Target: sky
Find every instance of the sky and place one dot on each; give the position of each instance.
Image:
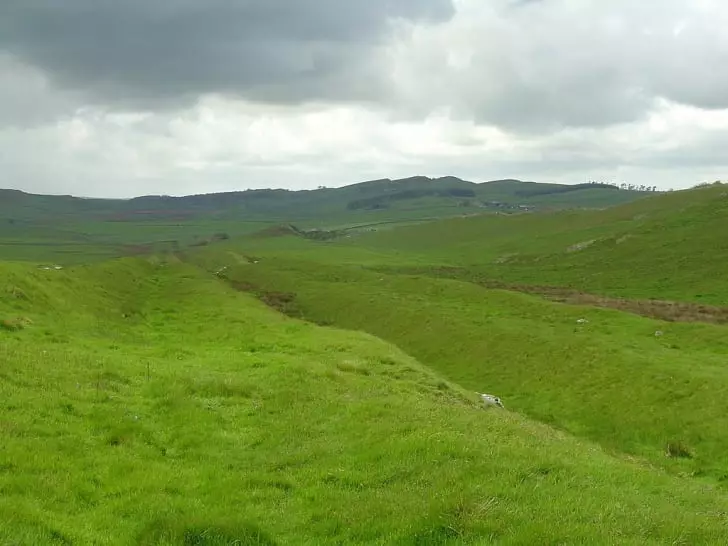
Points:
(104, 98)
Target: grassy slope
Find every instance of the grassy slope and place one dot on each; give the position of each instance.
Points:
(647, 391)
(611, 380)
(149, 404)
(668, 246)
(82, 240)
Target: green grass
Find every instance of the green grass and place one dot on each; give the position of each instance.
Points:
(611, 381)
(666, 247)
(71, 230)
(79, 242)
(146, 402)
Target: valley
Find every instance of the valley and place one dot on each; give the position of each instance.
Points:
(292, 386)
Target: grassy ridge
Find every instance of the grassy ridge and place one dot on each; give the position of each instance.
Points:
(418, 195)
(146, 403)
(610, 380)
(668, 247)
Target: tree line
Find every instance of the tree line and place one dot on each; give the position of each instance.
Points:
(625, 186)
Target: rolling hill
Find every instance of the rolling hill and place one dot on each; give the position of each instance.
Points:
(418, 192)
(669, 246)
(644, 277)
(146, 402)
(69, 230)
(324, 388)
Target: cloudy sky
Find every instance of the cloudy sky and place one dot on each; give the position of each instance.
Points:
(117, 98)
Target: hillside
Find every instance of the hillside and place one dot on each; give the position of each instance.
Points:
(70, 230)
(669, 246)
(609, 379)
(417, 192)
(144, 398)
(639, 376)
(666, 247)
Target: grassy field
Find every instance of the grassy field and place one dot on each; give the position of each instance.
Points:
(146, 402)
(323, 392)
(79, 242)
(610, 380)
(668, 247)
(70, 230)
(647, 385)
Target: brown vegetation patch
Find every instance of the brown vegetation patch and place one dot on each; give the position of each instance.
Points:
(137, 250)
(276, 231)
(283, 302)
(672, 311)
(290, 229)
(15, 324)
(678, 449)
(278, 300)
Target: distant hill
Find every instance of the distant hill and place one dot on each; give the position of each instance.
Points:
(151, 389)
(418, 195)
(670, 246)
(69, 229)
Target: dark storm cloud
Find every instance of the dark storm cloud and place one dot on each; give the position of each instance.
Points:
(147, 52)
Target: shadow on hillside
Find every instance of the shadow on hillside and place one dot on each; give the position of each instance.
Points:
(283, 302)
